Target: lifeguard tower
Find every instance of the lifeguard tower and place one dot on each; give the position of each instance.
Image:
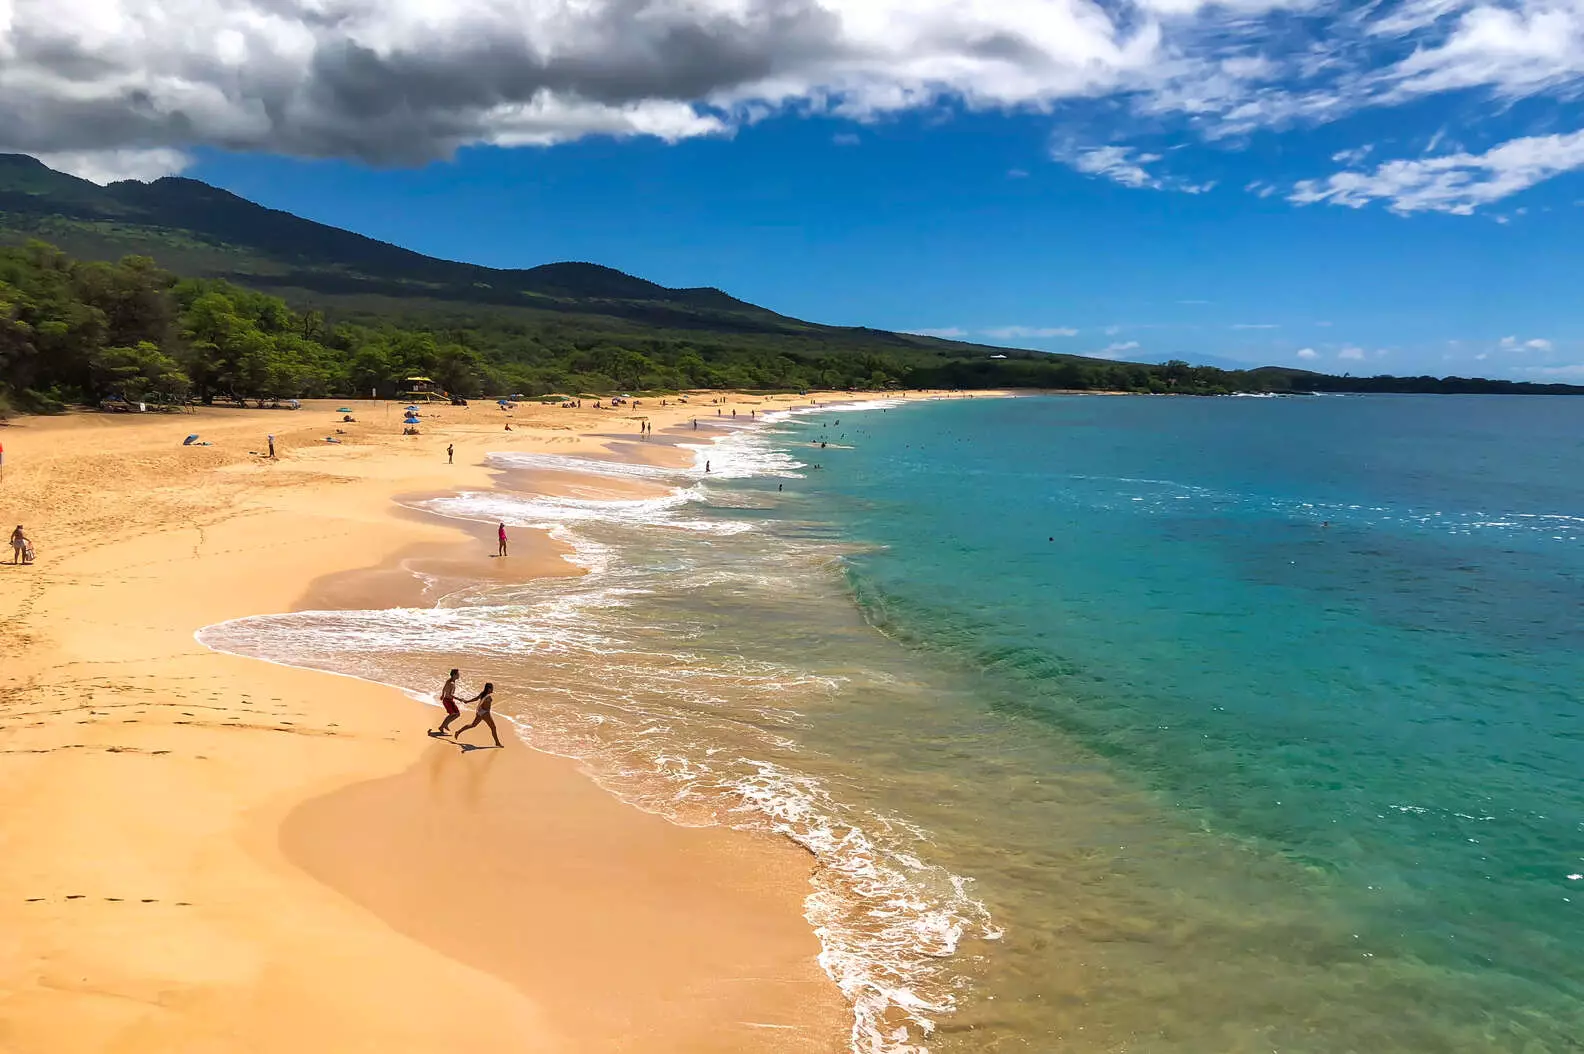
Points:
(423, 390)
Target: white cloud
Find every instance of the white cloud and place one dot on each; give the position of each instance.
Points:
(1118, 163)
(1351, 353)
(1455, 183)
(107, 166)
(1516, 50)
(1117, 349)
(1514, 344)
(1574, 372)
(406, 81)
(1308, 354)
(1354, 156)
(1030, 332)
(948, 333)
(130, 87)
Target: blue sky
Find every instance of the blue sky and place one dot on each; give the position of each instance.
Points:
(1392, 187)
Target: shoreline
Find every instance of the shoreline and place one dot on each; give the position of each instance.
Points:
(141, 544)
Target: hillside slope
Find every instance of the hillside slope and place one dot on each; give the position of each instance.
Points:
(196, 229)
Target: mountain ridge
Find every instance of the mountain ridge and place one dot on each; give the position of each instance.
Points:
(196, 228)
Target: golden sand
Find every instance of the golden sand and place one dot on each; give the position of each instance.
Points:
(209, 853)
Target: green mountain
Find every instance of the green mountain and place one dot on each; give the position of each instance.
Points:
(195, 229)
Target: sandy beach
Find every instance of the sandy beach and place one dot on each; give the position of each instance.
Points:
(206, 852)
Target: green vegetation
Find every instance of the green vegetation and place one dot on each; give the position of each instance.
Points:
(276, 306)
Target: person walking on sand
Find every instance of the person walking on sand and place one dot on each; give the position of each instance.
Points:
(450, 453)
(19, 543)
(271, 446)
(485, 700)
(449, 701)
(500, 534)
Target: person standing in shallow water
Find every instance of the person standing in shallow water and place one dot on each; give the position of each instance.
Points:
(448, 700)
(500, 534)
(485, 700)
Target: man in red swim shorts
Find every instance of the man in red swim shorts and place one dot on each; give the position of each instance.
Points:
(448, 700)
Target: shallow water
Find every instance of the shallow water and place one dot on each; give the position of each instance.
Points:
(1146, 724)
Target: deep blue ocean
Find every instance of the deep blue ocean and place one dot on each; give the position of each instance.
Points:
(1168, 725)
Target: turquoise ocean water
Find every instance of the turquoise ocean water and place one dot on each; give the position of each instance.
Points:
(1116, 723)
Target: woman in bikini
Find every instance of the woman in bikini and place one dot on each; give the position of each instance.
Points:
(485, 700)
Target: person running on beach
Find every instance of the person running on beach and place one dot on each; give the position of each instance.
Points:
(485, 700)
(500, 533)
(448, 700)
(271, 446)
(450, 453)
(19, 543)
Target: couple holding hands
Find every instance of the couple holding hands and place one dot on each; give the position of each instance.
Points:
(481, 715)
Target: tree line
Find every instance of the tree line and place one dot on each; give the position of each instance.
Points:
(75, 331)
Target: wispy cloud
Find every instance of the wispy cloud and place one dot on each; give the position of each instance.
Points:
(1255, 325)
(1030, 332)
(1452, 183)
(1573, 372)
(846, 139)
(1117, 349)
(1351, 353)
(1017, 173)
(1194, 303)
(1125, 165)
(1121, 164)
(1354, 156)
(1535, 344)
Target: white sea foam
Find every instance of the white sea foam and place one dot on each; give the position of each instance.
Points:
(776, 416)
(665, 722)
(593, 466)
(549, 512)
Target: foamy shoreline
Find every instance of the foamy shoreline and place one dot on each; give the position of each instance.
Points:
(267, 865)
(882, 972)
